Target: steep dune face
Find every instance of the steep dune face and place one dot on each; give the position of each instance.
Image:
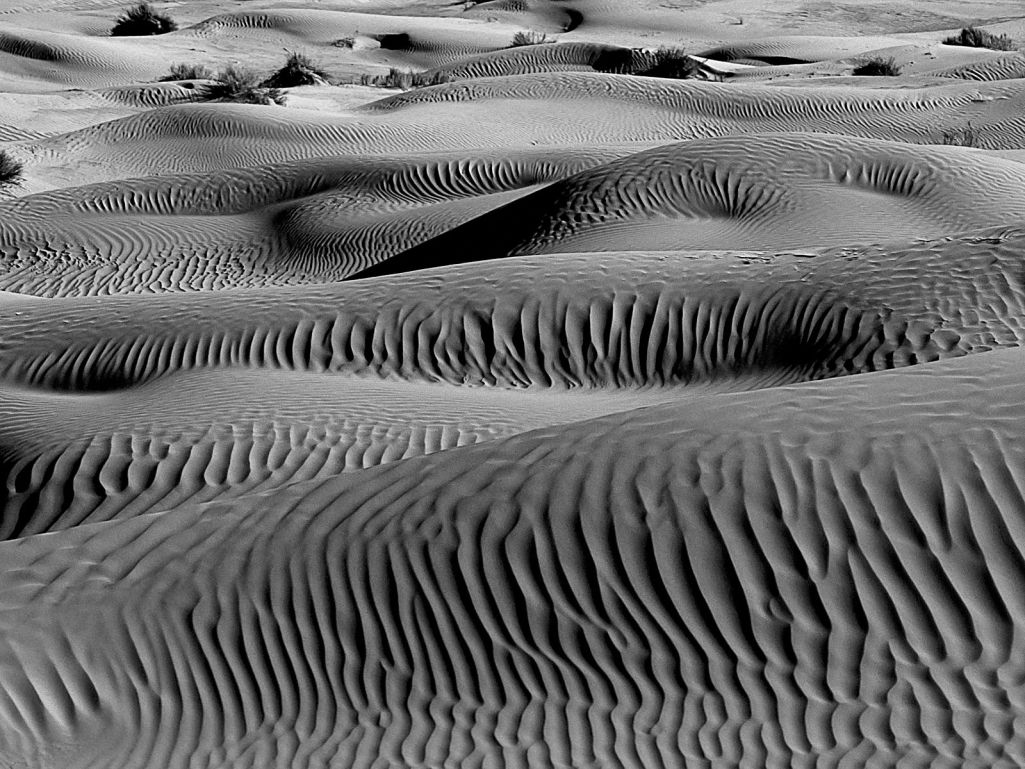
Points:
(646, 594)
(761, 191)
(544, 417)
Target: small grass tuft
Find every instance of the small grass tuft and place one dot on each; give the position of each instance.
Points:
(973, 37)
(529, 38)
(961, 137)
(405, 79)
(239, 85)
(10, 171)
(878, 67)
(299, 69)
(142, 20)
(188, 72)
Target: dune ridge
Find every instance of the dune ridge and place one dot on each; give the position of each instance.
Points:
(445, 599)
(548, 416)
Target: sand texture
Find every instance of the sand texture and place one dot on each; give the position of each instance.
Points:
(491, 405)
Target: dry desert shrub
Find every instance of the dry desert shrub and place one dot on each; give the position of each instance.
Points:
(239, 85)
(299, 69)
(10, 171)
(405, 79)
(188, 72)
(142, 20)
(961, 137)
(974, 37)
(529, 38)
(878, 67)
(667, 62)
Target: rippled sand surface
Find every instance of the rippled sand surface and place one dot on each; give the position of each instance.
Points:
(551, 415)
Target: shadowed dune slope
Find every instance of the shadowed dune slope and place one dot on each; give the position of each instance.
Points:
(291, 383)
(639, 320)
(717, 565)
(299, 222)
(328, 218)
(759, 191)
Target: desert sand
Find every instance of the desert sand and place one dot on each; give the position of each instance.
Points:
(545, 412)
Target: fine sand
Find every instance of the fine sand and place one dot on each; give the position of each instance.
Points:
(551, 414)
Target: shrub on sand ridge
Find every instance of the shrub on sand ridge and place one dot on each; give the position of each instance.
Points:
(877, 67)
(241, 86)
(529, 38)
(973, 37)
(405, 79)
(10, 171)
(188, 72)
(961, 137)
(299, 69)
(142, 20)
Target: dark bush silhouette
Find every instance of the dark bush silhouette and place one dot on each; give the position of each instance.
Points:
(974, 37)
(878, 67)
(298, 70)
(142, 20)
(10, 171)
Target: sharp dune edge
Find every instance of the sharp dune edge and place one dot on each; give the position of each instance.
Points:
(554, 414)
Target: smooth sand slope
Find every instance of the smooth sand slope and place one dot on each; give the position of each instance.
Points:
(550, 416)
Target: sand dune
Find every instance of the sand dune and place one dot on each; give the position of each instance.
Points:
(715, 563)
(758, 191)
(329, 391)
(550, 416)
(553, 109)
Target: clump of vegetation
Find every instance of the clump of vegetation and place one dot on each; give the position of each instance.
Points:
(529, 38)
(345, 42)
(405, 79)
(142, 20)
(878, 67)
(10, 171)
(241, 86)
(961, 137)
(974, 37)
(299, 69)
(188, 72)
(666, 62)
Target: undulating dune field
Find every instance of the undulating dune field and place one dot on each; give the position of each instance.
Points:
(519, 383)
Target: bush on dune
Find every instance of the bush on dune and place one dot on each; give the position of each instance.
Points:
(10, 171)
(405, 79)
(973, 37)
(961, 137)
(877, 67)
(671, 63)
(529, 38)
(142, 20)
(188, 72)
(241, 86)
(299, 69)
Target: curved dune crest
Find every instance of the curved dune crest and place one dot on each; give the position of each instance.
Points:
(352, 375)
(552, 109)
(306, 221)
(753, 192)
(446, 591)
